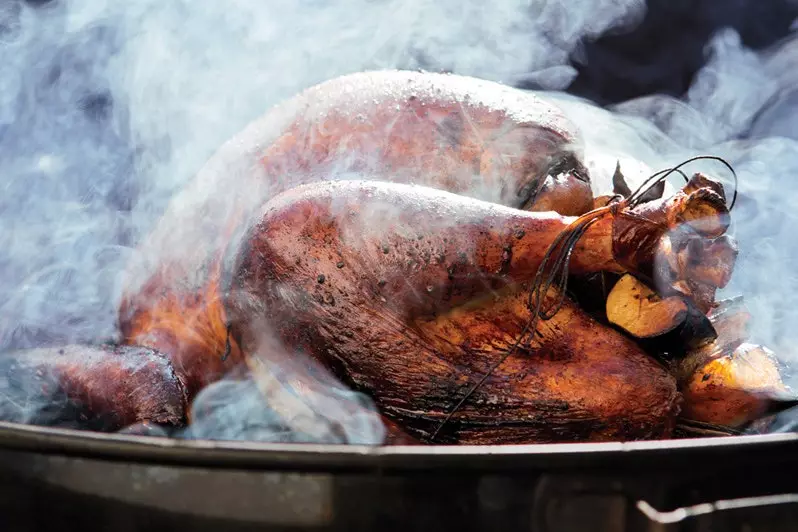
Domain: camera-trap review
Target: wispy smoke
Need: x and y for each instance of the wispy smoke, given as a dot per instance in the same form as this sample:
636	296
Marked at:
108	108
742	106
739	108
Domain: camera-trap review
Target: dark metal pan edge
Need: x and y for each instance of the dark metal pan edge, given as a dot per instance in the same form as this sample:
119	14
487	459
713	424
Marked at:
304	457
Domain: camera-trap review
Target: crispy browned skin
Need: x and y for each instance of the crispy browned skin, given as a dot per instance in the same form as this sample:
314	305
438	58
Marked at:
188	326
425	250
469	136
373	279
575	380
110	386
731	382
396	435
461	134
733	387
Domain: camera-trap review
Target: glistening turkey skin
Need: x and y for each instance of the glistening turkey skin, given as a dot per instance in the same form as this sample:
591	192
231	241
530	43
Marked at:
365	275
472	137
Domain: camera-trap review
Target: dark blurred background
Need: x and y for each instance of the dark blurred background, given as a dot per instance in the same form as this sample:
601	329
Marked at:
665	51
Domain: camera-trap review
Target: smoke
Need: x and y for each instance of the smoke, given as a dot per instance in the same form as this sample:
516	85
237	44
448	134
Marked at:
736	109
741	106
108	108
287	402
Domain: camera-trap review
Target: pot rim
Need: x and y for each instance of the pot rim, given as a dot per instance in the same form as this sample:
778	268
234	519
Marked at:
364	458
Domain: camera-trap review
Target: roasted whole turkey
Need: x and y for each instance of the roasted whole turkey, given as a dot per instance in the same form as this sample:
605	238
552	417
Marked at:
436	243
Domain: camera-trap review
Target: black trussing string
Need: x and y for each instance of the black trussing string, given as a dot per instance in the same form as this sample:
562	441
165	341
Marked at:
664	174
570	236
